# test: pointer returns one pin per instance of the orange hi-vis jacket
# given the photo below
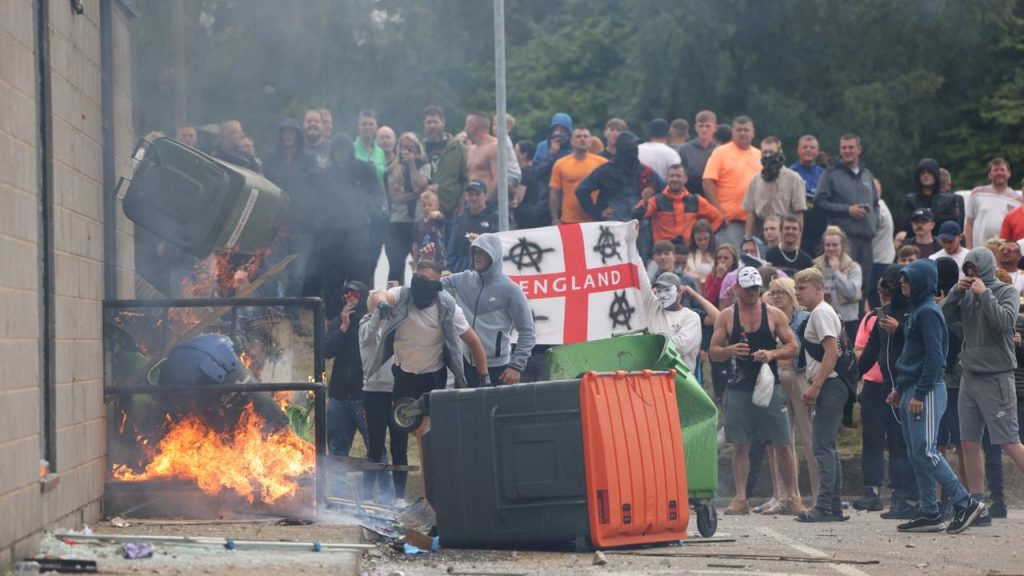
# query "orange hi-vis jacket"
(673, 214)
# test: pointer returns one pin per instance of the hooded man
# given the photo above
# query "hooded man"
(557, 140)
(620, 184)
(920, 393)
(946, 206)
(494, 305)
(344, 393)
(881, 429)
(987, 309)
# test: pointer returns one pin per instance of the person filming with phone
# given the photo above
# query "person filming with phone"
(846, 195)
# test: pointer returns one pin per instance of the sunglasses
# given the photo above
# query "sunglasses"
(352, 294)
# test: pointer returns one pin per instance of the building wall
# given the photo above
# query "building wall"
(79, 463)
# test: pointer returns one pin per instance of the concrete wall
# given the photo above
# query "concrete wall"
(78, 256)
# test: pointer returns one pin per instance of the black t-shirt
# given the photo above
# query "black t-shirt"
(788, 262)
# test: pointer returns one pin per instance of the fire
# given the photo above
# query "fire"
(219, 275)
(253, 464)
(283, 400)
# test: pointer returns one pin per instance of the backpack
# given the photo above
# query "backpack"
(846, 365)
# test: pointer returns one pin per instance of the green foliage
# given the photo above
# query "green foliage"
(938, 78)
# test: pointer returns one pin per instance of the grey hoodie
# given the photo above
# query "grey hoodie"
(988, 319)
(494, 304)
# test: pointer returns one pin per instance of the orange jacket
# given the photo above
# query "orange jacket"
(673, 214)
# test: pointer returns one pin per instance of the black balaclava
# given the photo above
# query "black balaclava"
(949, 274)
(771, 165)
(627, 151)
(424, 291)
(891, 277)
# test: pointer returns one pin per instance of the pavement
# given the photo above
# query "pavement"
(865, 537)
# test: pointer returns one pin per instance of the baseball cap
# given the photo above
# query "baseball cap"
(749, 277)
(925, 213)
(476, 186)
(667, 279)
(658, 128)
(949, 230)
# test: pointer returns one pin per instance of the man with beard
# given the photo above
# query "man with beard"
(316, 143)
(328, 121)
(294, 170)
(674, 211)
(776, 191)
(347, 192)
(423, 331)
(447, 156)
(620, 184)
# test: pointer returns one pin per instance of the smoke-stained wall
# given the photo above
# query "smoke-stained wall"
(52, 261)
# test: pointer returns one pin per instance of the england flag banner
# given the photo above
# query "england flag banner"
(581, 280)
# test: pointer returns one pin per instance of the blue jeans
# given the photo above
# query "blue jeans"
(344, 417)
(930, 468)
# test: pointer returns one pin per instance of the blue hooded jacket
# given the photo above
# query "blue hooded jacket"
(926, 338)
(559, 119)
(494, 305)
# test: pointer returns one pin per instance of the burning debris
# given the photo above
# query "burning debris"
(255, 464)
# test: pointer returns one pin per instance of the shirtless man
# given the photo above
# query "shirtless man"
(482, 154)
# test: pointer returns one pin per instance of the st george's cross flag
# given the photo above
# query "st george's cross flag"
(581, 280)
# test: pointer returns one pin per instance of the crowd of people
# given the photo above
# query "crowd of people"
(797, 274)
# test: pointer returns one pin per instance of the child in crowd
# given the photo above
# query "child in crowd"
(429, 227)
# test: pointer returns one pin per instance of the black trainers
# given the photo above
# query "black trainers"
(901, 510)
(984, 520)
(997, 509)
(924, 524)
(869, 502)
(965, 516)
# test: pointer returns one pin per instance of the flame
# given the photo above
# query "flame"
(246, 360)
(283, 400)
(244, 460)
(217, 275)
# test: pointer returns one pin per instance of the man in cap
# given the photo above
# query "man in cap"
(667, 316)
(922, 222)
(479, 217)
(950, 236)
(748, 334)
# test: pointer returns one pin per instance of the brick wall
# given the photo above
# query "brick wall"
(78, 258)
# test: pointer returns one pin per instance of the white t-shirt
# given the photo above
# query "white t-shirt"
(959, 257)
(659, 156)
(419, 341)
(823, 322)
(883, 251)
(988, 208)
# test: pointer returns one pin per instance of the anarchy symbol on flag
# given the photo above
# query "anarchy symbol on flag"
(587, 288)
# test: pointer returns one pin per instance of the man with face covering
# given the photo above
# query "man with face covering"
(620, 184)
(666, 315)
(776, 191)
(422, 332)
(494, 305)
(987, 309)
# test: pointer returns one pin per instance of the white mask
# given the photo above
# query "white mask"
(667, 296)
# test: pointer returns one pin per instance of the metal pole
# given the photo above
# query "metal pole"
(502, 132)
(178, 57)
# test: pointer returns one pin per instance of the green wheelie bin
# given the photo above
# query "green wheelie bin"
(697, 411)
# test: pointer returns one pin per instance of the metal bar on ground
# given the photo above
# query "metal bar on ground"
(209, 541)
(727, 556)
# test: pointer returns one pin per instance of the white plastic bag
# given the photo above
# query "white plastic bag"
(765, 386)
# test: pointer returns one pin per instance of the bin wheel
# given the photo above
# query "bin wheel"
(707, 520)
(407, 414)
